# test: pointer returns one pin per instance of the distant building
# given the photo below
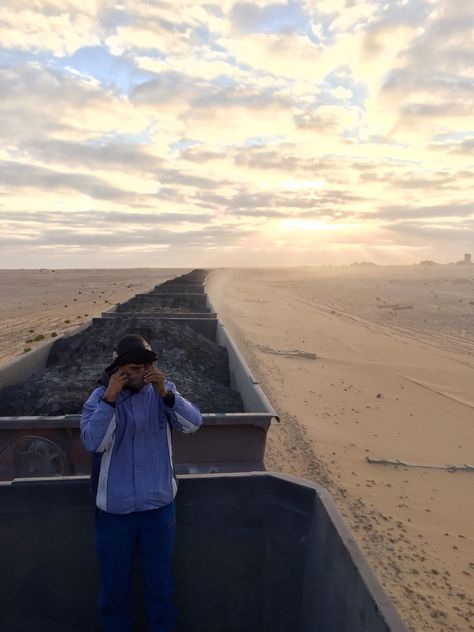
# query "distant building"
(428, 263)
(466, 261)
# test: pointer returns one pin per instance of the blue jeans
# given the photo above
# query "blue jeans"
(150, 534)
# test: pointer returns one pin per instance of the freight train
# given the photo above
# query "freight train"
(255, 552)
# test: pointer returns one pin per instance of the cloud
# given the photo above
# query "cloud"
(234, 125)
(427, 212)
(402, 179)
(113, 230)
(189, 179)
(288, 55)
(59, 27)
(16, 175)
(331, 204)
(47, 103)
(461, 232)
(200, 155)
(462, 148)
(190, 94)
(114, 155)
(342, 93)
(429, 90)
(97, 219)
(270, 17)
(159, 27)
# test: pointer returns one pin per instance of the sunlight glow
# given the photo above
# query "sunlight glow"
(304, 225)
(300, 185)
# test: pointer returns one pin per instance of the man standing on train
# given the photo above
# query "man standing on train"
(126, 423)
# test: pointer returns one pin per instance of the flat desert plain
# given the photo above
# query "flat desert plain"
(360, 362)
(374, 362)
(36, 305)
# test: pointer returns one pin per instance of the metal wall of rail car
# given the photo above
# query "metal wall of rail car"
(254, 552)
(232, 442)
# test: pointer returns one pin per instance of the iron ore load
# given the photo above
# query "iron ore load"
(256, 551)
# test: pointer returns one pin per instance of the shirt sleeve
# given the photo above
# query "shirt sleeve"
(97, 422)
(184, 415)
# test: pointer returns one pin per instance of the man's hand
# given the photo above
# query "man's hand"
(157, 378)
(117, 381)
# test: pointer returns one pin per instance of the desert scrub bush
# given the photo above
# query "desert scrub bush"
(38, 338)
(53, 334)
(26, 349)
(67, 321)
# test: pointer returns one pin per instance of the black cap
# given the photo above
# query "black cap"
(131, 349)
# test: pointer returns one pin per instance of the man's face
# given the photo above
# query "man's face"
(135, 374)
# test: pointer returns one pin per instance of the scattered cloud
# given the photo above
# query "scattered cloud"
(206, 129)
(441, 211)
(427, 232)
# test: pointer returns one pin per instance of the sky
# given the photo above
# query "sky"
(152, 133)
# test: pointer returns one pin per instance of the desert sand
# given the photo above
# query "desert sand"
(36, 305)
(352, 379)
(359, 362)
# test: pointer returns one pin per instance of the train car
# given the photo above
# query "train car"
(45, 444)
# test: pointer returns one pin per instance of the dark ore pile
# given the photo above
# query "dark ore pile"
(158, 312)
(162, 303)
(195, 276)
(177, 288)
(197, 366)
